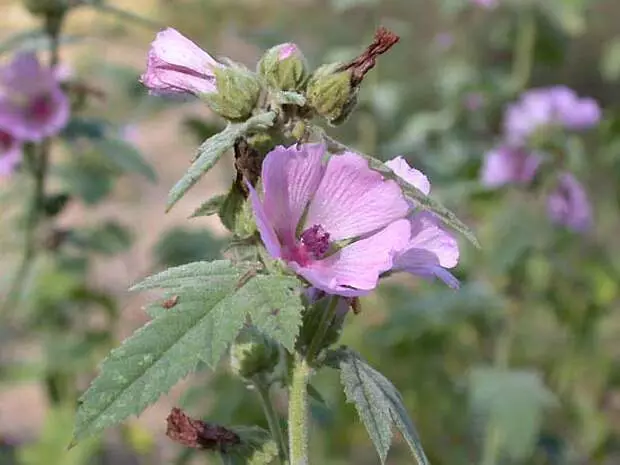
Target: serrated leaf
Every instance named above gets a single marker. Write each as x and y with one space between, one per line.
212 303
276 306
212 150
512 404
125 157
420 199
378 403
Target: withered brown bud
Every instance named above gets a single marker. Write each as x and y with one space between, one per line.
383 41
199 434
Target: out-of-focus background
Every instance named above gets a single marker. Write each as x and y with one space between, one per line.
520 366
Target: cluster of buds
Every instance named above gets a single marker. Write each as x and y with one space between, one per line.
176 65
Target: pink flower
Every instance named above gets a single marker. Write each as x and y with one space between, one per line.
337 223
32 104
176 65
509 165
286 50
431 249
10 153
551 106
568 204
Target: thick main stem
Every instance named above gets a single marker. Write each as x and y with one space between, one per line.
272 419
298 412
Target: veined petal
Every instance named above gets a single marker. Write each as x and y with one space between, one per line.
414 177
353 200
176 65
430 250
267 234
355 270
290 177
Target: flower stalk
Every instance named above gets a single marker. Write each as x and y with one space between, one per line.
262 388
298 412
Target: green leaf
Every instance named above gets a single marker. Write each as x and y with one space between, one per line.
420 199
256 448
610 62
86 127
109 239
125 157
86 178
213 301
210 207
212 150
378 403
179 245
512 402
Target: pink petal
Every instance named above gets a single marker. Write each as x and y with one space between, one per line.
290 177
267 234
353 200
414 177
355 270
176 64
10 153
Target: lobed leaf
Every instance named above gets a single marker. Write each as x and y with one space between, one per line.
213 149
378 403
125 157
210 303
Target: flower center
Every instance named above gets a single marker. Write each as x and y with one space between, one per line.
6 140
41 108
313 245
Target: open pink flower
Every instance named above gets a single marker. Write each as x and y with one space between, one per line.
337 223
431 249
176 65
10 153
32 104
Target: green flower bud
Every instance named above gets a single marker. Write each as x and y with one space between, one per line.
331 94
238 91
284 67
253 353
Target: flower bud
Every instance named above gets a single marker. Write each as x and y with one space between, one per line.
238 90
331 94
284 67
253 353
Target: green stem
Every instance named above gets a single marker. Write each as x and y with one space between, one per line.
298 412
272 418
38 169
523 59
326 319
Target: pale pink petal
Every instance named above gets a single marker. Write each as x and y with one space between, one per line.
430 250
353 200
414 177
355 270
10 153
290 177
176 65
267 234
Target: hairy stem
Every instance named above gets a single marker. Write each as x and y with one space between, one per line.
298 412
272 418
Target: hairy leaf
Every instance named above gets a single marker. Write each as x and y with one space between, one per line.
208 305
212 150
378 403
